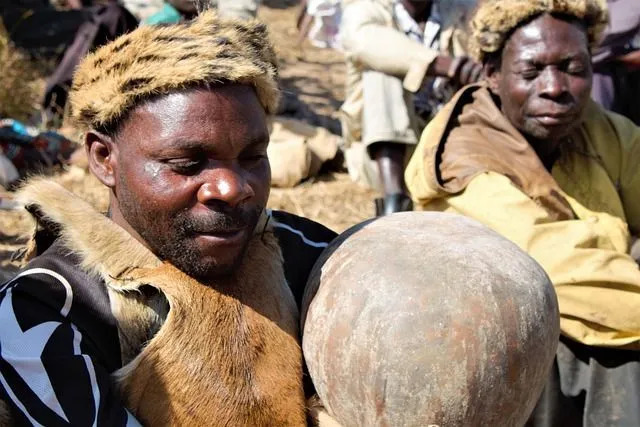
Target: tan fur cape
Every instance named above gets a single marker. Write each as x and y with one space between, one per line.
223 354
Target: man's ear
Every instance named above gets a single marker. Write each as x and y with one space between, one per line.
493 76
102 155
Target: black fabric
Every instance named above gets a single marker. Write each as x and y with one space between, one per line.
58 328
302 241
91 310
40 29
590 387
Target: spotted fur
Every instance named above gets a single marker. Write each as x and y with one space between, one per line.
154 60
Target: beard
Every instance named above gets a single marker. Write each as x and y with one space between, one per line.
171 237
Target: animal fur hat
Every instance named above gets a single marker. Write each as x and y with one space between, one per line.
495 20
155 60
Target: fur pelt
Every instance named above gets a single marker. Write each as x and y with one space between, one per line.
5 415
494 20
241 361
226 353
155 60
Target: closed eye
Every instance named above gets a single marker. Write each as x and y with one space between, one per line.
529 73
575 68
184 166
252 158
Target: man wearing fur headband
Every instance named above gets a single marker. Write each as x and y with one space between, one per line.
179 307
529 154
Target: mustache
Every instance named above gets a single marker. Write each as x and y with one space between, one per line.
217 222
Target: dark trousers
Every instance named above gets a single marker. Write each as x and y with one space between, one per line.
591 387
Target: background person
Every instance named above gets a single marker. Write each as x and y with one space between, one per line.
393 49
530 155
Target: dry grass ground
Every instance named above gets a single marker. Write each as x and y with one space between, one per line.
315 76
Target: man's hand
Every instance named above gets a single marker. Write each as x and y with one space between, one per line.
469 72
464 70
631 60
460 69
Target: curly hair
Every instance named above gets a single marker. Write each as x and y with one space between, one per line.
495 20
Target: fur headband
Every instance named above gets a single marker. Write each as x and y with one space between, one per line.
496 19
155 60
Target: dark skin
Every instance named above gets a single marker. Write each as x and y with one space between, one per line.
544 81
189 176
390 156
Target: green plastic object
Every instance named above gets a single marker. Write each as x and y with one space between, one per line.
167 15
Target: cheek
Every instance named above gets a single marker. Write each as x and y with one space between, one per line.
515 99
155 188
260 179
581 88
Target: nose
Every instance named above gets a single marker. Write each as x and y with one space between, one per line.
224 183
553 84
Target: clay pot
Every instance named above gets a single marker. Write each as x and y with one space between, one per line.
422 318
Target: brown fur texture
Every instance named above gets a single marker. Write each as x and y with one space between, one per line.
494 20
105 249
318 415
224 354
5 415
236 340
156 60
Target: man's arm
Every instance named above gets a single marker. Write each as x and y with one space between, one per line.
50 372
370 41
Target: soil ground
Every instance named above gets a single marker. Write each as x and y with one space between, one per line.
315 77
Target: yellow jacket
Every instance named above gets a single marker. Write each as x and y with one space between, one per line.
598 178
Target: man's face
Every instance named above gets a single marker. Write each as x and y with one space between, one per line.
544 79
192 176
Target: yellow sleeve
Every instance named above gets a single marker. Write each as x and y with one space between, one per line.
598 288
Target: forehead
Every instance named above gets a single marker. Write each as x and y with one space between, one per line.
225 114
547 38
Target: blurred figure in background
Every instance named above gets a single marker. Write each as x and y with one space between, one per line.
66 30
63 31
319 21
243 9
171 11
25 151
616 63
404 59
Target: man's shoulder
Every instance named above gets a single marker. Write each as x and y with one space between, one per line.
47 276
53 286
302 241
303 230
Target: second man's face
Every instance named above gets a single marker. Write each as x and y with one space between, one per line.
544 80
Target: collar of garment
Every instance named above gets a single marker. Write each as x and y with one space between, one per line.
475 137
